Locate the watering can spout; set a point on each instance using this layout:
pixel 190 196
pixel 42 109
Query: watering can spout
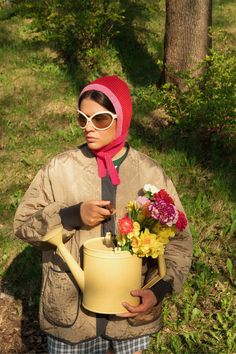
pixel 54 237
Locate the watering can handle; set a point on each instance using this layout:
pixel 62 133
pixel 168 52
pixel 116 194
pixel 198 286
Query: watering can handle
pixel 162 272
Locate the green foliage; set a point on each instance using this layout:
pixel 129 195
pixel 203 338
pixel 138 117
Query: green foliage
pixel 200 120
pixel 75 26
pixel 209 99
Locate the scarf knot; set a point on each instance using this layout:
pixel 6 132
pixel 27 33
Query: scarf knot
pixel 104 159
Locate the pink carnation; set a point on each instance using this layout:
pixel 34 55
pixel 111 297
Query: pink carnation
pixel 182 221
pixel 125 225
pixel 164 212
pixel 142 201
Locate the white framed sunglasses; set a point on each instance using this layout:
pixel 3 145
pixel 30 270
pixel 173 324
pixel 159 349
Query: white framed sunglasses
pixel 100 120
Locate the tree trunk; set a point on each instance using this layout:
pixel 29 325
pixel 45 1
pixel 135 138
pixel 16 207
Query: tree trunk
pixel 187 38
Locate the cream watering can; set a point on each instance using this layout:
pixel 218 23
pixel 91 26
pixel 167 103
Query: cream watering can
pixel 109 274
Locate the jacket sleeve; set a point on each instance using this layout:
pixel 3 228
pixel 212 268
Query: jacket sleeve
pixel 178 253
pixel 71 217
pixel 38 211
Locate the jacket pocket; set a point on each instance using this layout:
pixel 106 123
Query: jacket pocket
pixel 60 299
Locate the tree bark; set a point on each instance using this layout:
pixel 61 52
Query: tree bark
pixel 187 38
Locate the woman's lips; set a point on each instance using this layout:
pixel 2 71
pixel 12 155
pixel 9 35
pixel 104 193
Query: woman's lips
pixel 90 139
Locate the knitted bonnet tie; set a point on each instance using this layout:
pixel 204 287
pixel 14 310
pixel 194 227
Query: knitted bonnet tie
pixel 104 159
pixel 118 93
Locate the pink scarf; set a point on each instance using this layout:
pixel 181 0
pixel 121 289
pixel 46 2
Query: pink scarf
pixel 104 159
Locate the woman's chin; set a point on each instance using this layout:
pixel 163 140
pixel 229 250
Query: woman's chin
pixel 93 145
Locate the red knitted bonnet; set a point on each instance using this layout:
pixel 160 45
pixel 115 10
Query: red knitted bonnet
pixel 118 93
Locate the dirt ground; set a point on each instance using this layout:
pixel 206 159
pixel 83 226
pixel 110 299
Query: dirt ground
pixel 19 332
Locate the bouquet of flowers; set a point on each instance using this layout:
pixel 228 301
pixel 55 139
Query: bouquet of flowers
pixel 151 220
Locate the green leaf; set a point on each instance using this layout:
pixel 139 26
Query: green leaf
pixel 25 162
pixel 220 318
pixel 230 266
pixel 214 335
pixel 196 313
pixel 233 227
pixel 126 248
pixel 4 257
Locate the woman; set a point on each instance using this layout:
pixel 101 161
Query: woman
pixel 75 189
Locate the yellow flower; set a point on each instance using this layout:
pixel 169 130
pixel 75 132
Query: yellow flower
pixel 132 205
pixel 135 232
pixel 149 244
pixel 147 241
pixel 135 244
pixel 164 234
pixel 157 249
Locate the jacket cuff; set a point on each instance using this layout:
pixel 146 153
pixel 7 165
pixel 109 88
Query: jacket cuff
pixel 161 289
pixel 70 217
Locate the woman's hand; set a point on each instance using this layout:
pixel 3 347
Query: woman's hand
pixel 148 300
pixel 94 212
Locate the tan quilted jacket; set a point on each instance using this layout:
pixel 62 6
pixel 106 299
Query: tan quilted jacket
pixel 68 179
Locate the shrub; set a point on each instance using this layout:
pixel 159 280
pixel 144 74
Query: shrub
pixel 75 26
pixel 209 100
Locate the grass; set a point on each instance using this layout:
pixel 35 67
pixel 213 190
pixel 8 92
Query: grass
pixel 38 99
pixel 36 113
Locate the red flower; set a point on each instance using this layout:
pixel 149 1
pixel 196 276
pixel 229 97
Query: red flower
pixel 162 194
pixel 125 225
pixel 181 222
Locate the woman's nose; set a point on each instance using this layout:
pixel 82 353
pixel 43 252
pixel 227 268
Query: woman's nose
pixel 89 127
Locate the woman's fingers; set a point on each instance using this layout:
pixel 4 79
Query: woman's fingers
pixel 94 212
pixel 147 301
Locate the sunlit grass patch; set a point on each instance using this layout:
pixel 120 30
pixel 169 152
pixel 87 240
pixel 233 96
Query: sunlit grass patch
pixel 37 118
pixel 223 27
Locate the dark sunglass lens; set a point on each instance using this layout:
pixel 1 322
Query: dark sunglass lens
pixel 81 120
pixel 102 120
